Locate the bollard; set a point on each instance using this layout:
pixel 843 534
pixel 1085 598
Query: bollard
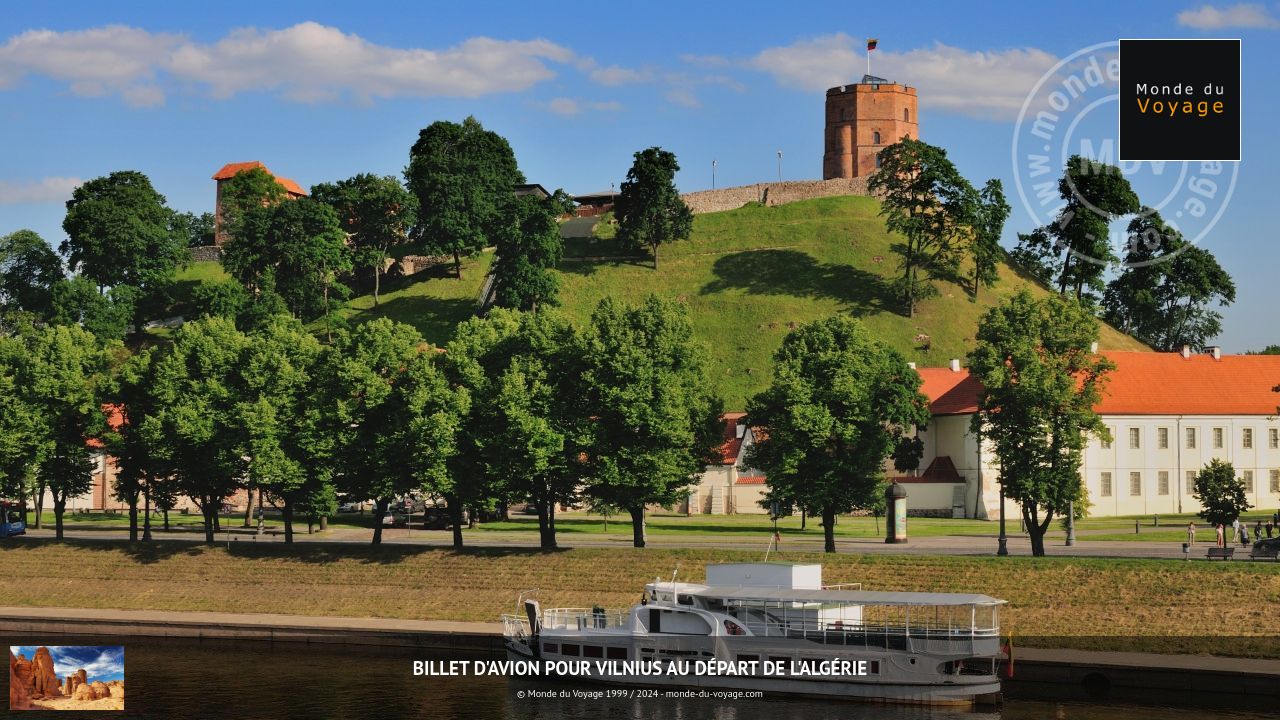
pixel 1156 520
pixel 1135 527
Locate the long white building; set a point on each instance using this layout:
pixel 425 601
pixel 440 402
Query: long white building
pixel 1169 414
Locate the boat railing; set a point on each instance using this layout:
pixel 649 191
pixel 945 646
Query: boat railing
pixel 843 586
pixel 887 635
pixel 515 627
pixel 584 619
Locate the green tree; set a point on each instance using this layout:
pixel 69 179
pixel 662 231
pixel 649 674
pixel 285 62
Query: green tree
pixel 139 460
pixel 376 213
pixel 77 301
pixel 294 250
pixel 926 200
pixel 1220 493
pixel 225 298
pixel 244 192
pixel 288 447
pixel 649 209
pixel 529 247
pixel 654 421
pixel 841 403
pixel 1164 295
pixel 119 232
pixel 64 375
pixel 523 437
pixel 1268 350
pixel 359 381
pixel 23 432
pixel 195 230
pixel 28 271
pixel 462 176
pixel 195 419
pixel 992 212
pixel 1040 383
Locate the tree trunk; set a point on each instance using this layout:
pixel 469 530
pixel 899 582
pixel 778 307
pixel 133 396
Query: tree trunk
pixel 546 526
pixel 455 518
pixel 379 512
pixel 655 256
pixel 829 529
pixel 166 519
pixel 1036 530
pixel 286 514
pixel 324 523
pixel 637 525
pixel 39 503
pixel 457 264
pixel 377 278
pixel 59 506
pixel 133 517
pixel 146 518
pixel 248 507
pixel 210 514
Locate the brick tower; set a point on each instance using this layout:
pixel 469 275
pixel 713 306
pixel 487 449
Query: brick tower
pixel 862 120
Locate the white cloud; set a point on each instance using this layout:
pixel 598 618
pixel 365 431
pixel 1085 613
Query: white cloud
pixel 108 662
pixel 705 60
pixel 307 62
pixel 1244 15
pixel 615 75
pixel 989 85
pixel 44 190
pixel 683 96
pixel 569 106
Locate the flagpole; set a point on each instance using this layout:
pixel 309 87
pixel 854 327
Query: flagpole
pixel 868 61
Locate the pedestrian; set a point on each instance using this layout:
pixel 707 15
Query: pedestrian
pixel 1270 527
pixel 1244 534
pixel 1221 532
pixel 1257 531
pixel 1191 533
pixel 1235 531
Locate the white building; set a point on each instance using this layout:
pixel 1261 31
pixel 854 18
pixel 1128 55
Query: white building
pixel 1169 414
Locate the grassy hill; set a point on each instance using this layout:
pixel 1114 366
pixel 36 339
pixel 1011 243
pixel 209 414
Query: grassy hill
pixel 747 276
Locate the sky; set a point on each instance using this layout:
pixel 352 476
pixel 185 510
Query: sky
pixel 323 91
pixel 101 663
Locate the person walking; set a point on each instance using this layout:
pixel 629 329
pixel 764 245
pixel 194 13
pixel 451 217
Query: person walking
pixel 1221 533
pixel 1257 531
pixel 1244 534
pixel 1235 531
pixel 1191 534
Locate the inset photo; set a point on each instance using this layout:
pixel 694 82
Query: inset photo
pixel 66 677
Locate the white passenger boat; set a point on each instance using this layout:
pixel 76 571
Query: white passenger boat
pixel 775 627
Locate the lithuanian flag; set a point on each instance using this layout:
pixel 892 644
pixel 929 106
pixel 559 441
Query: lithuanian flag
pixel 871 44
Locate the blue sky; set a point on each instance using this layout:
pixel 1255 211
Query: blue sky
pixel 100 662
pixel 321 92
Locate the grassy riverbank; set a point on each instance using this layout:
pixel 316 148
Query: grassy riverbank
pixel 1151 605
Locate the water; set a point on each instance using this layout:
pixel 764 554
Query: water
pixel 255 680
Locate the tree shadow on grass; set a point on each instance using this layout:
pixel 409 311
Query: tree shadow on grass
pixel 794 273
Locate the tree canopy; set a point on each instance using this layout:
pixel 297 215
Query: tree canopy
pixel 29 269
pixel 529 247
pixel 376 213
pixel 649 209
pixel 462 176
pixel 1040 383
pixel 1221 494
pixel 841 403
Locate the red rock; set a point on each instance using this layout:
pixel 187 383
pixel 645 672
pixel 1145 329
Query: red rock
pixel 18 697
pixel 84 692
pixel 100 690
pixel 44 680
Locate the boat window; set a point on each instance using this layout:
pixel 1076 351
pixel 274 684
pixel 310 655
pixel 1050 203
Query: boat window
pixel 615 653
pixel 551 647
pixel 592 651
pixel 873 667
pixel 779 659
pixel 569 649
pixel 733 628
pixel 686 600
pixel 748 658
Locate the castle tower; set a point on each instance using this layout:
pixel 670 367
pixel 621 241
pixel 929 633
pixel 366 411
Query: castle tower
pixel 862 120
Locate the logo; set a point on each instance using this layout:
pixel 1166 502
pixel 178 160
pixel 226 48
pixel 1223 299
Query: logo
pixel 1073 110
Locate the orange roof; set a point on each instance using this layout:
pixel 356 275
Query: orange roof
pixel 1147 383
pixel 750 480
pixel 732 443
pixel 115 419
pixel 230 170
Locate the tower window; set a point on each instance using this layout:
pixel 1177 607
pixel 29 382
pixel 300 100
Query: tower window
pixel 906 115
pixel 876 137
pixel 879 161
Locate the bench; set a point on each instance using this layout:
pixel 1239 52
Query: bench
pixel 1223 553
pixel 1265 553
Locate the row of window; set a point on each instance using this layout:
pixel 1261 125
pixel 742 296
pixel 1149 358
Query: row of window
pixel 1218 438
pixel 607 652
pixel 1162 482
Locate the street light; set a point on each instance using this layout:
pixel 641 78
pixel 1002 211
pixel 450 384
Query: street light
pixel 779 166
pixel 1071 523
pixel 1004 540
pixel 713 174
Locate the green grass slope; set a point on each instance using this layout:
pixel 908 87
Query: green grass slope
pixel 749 275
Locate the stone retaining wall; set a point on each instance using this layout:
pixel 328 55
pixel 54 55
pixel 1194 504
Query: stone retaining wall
pixel 206 253
pixel 775 193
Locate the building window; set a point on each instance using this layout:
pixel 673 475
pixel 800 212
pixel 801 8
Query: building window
pixel 1106 441
pixel 1248 481
pixel 1162 482
pixel 1217 438
pixel 1191 481
pixel 1273 438
pixel 1162 438
pixel 1275 481
pixel 1135 438
pixel 1246 438
pixel 1191 438
pixel 1135 483
pixel 1106 484
pixel 876 137
pixel 906 115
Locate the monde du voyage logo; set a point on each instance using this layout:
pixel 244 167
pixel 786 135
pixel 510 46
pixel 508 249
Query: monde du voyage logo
pixel 1179 100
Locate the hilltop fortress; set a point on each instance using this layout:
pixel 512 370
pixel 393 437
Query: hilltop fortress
pixel 861 120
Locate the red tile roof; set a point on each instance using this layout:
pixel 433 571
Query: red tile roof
pixel 230 170
pixel 750 480
pixel 1147 383
pixel 732 442
pixel 115 418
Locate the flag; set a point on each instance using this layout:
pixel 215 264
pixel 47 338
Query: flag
pixel 1008 651
pixel 871 44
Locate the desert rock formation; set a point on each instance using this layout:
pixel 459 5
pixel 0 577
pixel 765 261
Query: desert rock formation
pixel 18 697
pixel 44 680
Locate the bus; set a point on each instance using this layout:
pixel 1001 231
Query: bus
pixel 11 519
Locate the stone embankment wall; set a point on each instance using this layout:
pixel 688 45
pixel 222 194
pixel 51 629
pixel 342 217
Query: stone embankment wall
pixel 774 193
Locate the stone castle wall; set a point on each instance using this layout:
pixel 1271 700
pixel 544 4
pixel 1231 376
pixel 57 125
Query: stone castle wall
pixel 773 193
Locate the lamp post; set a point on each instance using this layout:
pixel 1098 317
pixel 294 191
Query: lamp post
pixel 1004 539
pixel 1071 523
pixel 779 166
pixel 713 174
